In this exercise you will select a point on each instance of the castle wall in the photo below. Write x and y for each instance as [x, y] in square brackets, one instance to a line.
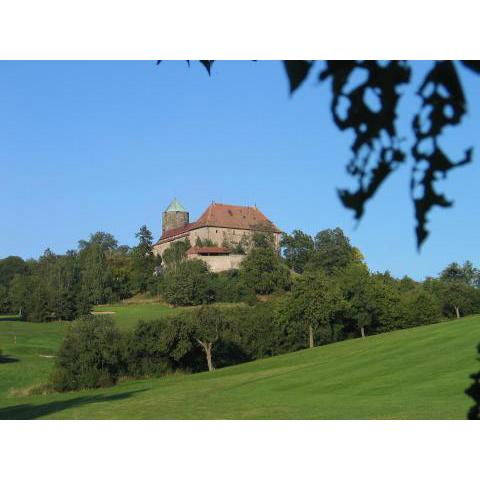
[231, 235]
[219, 263]
[216, 234]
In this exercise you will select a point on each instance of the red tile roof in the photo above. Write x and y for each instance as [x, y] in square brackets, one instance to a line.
[234, 216]
[207, 250]
[177, 231]
[226, 216]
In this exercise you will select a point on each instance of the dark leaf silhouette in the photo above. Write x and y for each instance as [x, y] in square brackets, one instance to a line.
[443, 104]
[473, 65]
[207, 64]
[297, 71]
[474, 392]
[376, 151]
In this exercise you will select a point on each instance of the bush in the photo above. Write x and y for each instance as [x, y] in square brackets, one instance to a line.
[145, 352]
[90, 355]
[229, 287]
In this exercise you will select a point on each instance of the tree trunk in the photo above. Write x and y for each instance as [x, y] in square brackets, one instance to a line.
[208, 352]
[362, 329]
[310, 336]
[457, 312]
[207, 348]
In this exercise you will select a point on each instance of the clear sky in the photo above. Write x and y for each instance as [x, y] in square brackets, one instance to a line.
[88, 146]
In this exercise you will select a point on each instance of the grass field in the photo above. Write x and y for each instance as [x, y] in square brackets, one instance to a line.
[419, 373]
[128, 315]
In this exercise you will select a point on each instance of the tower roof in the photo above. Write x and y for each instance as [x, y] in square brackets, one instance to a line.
[175, 206]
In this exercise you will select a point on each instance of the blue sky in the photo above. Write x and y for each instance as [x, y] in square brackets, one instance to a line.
[88, 146]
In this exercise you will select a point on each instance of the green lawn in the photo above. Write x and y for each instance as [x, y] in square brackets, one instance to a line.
[127, 315]
[419, 373]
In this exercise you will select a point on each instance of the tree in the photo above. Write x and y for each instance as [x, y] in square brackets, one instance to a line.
[143, 260]
[359, 293]
[96, 277]
[4, 300]
[208, 327]
[457, 297]
[297, 249]
[332, 251]
[189, 284]
[105, 240]
[9, 267]
[175, 254]
[263, 271]
[315, 300]
[466, 273]
[369, 109]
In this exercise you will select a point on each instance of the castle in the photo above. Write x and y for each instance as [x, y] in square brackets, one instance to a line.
[220, 237]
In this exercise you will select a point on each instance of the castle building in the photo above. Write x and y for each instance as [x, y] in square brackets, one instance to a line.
[220, 237]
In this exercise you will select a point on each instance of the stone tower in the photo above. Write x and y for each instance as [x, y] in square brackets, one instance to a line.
[175, 216]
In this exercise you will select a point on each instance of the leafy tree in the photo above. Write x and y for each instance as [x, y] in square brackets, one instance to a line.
[143, 260]
[457, 297]
[315, 301]
[4, 300]
[20, 288]
[175, 254]
[188, 284]
[208, 327]
[360, 295]
[297, 249]
[466, 273]
[105, 240]
[9, 267]
[263, 271]
[419, 307]
[89, 356]
[120, 264]
[332, 252]
[96, 276]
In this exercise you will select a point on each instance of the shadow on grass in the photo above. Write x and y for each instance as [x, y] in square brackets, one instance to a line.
[10, 318]
[8, 359]
[28, 411]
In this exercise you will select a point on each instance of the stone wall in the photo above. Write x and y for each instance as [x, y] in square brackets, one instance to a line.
[216, 234]
[219, 235]
[219, 263]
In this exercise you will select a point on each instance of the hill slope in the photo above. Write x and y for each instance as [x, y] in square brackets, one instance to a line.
[418, 373]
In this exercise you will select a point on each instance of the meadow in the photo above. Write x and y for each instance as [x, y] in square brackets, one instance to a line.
[417, 373]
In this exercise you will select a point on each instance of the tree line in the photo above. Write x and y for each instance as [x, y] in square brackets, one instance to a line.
[63, 287]
[322, 279]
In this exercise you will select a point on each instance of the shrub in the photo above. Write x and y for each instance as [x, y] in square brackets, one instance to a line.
[145, 352]
[90, 355]
[229, 287]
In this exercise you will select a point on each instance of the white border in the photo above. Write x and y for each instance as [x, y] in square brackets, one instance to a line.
[247, 29]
